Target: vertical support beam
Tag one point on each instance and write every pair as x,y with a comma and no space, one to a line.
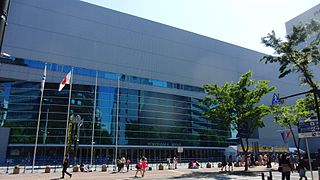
4,9
309,159
315,94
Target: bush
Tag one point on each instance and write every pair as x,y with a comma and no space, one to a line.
16,169
47,169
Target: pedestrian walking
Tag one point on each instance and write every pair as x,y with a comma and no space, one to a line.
65,167
252,161
123,162
169,163
301,169
230,163
139,168
175,162
224,164
128,164
285,167
119,165
269,161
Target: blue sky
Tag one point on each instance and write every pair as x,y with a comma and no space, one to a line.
240,22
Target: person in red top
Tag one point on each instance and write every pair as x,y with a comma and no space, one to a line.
144,165
139,169
128,164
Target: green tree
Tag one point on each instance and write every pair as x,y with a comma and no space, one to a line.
289,116
296,54
238,105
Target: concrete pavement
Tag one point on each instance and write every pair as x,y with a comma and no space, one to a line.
180,174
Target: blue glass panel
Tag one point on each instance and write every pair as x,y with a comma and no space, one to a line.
159,83
83,71
34,64
107,75
66,69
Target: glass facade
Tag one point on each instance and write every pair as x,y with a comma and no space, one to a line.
106,75
149,123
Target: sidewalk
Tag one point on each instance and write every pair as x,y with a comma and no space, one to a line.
181,173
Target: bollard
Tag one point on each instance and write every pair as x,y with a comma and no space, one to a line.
7,168
55,167
262,175
270,175
24,169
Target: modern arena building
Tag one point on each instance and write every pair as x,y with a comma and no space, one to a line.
137,85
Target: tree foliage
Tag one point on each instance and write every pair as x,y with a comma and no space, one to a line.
290,116
238,105
293,55
298,54
287,116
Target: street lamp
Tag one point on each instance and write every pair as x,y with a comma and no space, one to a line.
77,122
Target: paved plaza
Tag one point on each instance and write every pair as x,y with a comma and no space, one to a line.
179,174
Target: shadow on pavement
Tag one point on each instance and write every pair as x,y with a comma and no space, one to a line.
216,175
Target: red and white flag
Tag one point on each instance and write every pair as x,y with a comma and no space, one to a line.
65,80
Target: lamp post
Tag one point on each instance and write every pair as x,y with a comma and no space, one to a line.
117,124
45,131
77,122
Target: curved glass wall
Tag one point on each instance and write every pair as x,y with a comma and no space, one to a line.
146,120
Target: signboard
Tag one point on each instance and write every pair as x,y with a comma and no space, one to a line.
250,149
276,99
309,129
180,149
281,149
265,149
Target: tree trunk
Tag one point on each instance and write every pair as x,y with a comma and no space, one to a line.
296,144
245,152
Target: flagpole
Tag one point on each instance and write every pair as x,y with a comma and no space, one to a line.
117,121
68,114
39,116
94,116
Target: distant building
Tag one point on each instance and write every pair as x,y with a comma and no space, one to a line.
313,13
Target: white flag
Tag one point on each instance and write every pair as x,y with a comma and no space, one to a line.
65,80
44,77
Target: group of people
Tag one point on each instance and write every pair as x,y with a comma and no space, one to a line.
193,165
255,160
286,166
287,163
141,166
172,163
226,162
122,162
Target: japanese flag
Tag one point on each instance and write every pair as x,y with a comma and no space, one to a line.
65,80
